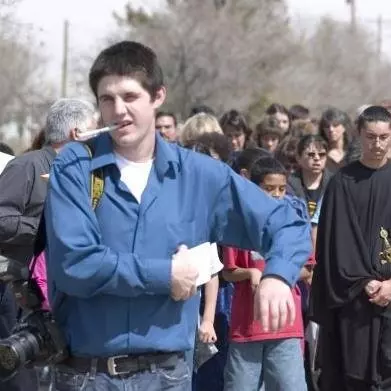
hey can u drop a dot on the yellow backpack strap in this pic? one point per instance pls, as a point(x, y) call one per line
point(96, 182)
point(97, 187)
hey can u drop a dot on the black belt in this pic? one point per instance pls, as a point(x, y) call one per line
point(126, 364)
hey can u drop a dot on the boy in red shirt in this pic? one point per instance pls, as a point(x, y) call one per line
point(257, 357)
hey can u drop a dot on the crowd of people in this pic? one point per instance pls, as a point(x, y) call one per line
point(289, 154)
point(293, 210)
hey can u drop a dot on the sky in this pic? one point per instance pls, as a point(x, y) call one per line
point(91, 20)
point(367, 14)
point(366, 9)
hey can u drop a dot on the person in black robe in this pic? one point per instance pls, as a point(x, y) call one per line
point(351, 289)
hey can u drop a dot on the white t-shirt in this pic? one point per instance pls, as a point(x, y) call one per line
point(134, 175)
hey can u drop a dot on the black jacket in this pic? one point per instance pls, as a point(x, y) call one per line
point(22, 196)
point(297, 184)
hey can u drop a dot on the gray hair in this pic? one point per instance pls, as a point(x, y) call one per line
point(66, 114)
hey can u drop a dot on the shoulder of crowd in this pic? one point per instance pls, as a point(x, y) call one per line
point(344, 174)
point(28, 159)
point(294, 178)
point(29, 156)
point(327, 175)
point(347, 171)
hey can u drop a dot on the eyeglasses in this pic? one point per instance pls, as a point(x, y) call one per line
point(312, 155)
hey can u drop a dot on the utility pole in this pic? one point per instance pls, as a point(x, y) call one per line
point(379, 38)
point(353, 14)
point(64, 68)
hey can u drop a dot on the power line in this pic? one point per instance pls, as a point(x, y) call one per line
point(64, 70)
point(379, 36)
point(353, 14)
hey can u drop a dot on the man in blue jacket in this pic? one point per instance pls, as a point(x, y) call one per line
point(121, 281)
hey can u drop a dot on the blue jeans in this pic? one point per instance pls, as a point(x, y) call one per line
point(178, 379)
point(277, 363)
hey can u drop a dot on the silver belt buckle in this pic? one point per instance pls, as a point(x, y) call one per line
point(112, 366)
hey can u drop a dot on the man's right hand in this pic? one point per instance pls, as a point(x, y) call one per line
point(183, 275)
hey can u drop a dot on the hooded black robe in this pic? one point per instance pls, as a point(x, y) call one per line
point(355, 337)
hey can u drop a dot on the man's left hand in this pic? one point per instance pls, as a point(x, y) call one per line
point(276, 307)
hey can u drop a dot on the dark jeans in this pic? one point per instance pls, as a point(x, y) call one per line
point(177, 379)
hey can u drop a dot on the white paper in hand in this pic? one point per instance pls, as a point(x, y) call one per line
point(204, 257)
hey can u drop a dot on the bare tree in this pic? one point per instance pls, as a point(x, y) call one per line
point(220, 53)
point(246, 53)
point(25, 93)
point(335, 67)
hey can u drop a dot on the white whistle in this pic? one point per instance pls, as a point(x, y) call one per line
point(83, 135)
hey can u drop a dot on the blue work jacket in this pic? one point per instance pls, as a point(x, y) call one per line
point(109, 270)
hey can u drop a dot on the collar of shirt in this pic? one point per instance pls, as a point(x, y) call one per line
point(165, 154)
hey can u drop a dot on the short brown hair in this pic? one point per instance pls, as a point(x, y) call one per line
point(130, 59)
point(268, 125)
point(286, 152)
